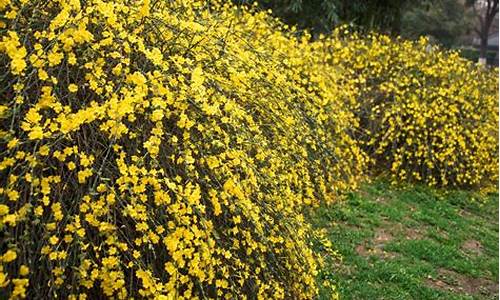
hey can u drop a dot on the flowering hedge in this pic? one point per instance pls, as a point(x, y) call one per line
point(426, 114)
point(167, 149)
point(164, 149)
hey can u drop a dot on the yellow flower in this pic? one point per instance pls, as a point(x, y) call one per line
point(3, 279)
point(13, 195)
point(18, 65)
point(42, 74)
point(4, 209)
point(44, 150)
point(10, 219)
point(39, 210)
point(3, 111)
point(53, 240)
point(73, 88)
point(12, 143)
point(9, 256)
point(170, 268)
point(23, 270)
point(55, 58)
point(36, 133)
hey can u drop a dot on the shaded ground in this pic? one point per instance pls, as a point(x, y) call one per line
point(413, 243)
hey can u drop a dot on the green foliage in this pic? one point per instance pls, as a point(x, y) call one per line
point(474, 54)
point(315, 15)
point(320, 16)
point(446, 21)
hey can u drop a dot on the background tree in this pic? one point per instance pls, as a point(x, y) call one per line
point(320, 16)
point(485, 12)
point(446, 21)
point(381, 15)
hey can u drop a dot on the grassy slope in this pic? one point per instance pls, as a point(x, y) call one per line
point(412, 243)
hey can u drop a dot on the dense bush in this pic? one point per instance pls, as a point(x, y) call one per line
point(167, 149)
point(163, 149)
point(426, 114)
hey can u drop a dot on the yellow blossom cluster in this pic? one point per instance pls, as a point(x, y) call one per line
point(426, 114)
point(165, 150)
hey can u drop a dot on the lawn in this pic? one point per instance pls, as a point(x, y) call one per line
point(412, 243)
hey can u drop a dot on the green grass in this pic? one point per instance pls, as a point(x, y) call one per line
point(412, 243)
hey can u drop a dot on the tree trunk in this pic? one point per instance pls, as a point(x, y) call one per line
point(485, 11)
point(396, 22)
point(483, 49)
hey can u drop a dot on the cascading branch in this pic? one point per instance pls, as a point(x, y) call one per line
point(164, 149)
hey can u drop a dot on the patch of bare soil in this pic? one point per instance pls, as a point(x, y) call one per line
point(381, 199)
point(413, 233)
point(377, 251)
point(472, 246)
point(382, 236)
point(391, 227)
point(454, 282)
point(443, 233)
point(364, 194)
point(343, 268)
point(464, 213)
point(361, 250)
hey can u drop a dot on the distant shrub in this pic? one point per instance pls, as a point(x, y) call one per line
point(426, 114)
point(164, 149)
point(474, 54)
